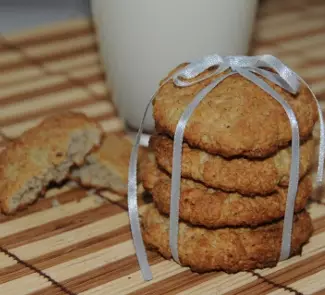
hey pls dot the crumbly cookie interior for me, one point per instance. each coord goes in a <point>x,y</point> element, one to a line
<point>80,144</point>
<point>95,174</point>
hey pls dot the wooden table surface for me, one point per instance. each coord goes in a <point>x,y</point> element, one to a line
<point>84,245</point>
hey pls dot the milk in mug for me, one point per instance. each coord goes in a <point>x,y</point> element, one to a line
<point>142,40</point>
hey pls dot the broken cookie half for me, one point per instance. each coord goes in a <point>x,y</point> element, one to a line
<point>107,167</point>
<point>43,155</point>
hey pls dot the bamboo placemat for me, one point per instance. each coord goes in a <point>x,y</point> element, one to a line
<point>84,244</point>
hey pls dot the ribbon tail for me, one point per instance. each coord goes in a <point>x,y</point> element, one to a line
<point>295,162</point>
<point>177,164</point>
<point>133,203</point>
<point>321,151</point>
<point>321,154</point>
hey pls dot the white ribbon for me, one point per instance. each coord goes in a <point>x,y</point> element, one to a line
<point>247,67</point>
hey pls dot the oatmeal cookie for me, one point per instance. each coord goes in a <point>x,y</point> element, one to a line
<point>237,118</point>
<point>42,155</point>
<point>200,205</point>
<point>228,249</point>
<point>242,175</point>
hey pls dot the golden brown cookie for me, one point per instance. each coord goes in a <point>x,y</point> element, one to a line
<point>107,167</point>
<point>42,155</point>
<point>200,205</point>
<point>236,117</point>
<point>149,173</point>
<point>242,175</point>
<point>227,249</point>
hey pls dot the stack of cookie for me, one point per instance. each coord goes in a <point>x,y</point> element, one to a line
<point>235,174</point>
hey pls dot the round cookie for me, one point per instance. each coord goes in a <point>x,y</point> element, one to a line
<point>227,249</point>
<point>236,117</point>
<point>242,175</point>
<point>200,205</point>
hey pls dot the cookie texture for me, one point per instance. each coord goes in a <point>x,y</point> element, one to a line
<point>227,249</point>
<point>200,205</point>
<point>236,117</point>
<point>42,155</point>
<point>149,173</point>
<point>242,175</point>
<point>107,167</point>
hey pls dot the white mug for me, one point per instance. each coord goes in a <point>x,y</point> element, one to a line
<point>142,40</point>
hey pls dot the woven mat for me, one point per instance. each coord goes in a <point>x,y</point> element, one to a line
<point>84,245</point>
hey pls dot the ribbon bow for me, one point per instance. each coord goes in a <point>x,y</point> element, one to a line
<point>247,67</point>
